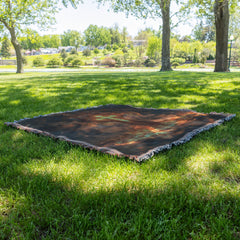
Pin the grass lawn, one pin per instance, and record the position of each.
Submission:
(52, 190)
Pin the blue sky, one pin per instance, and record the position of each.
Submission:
(89, 13)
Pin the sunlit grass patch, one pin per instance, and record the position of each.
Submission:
(52, 190)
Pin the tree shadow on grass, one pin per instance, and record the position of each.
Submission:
(39, 95)
(43, 205)
(71, 91)
(110, 198)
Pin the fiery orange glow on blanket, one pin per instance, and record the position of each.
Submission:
(122, 130)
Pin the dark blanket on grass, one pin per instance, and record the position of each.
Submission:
(136, 133)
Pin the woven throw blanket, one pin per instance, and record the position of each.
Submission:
(136, 133)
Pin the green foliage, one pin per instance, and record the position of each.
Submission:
(109, 47)
(138, 62)
(73, 61)
(54, 62)
(109, 62)
(31, 40)
(115, 47)
(178, 60)
(175, 64)
(17, 14)
(234, 25)
(74, 51)
(5, 49)
(97, 36)
(38, 62)
(126, 59)
(77, 62)
(51, 41)
(71, 38)
(154, 48)
(125, 50)
(115, 35)
(96, 50)
(68, 60)
(105, 51)
(118, 52)
(97, 62)
(140, 51)
(63, 54)
(205, 33)
(124, 35)
(86, 52)
(145, 35)
(192, 50)
(150, 62)
(195, 57)
(24, 60)
(119, 60)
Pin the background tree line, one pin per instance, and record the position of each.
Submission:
(196, 48)
(17, 15)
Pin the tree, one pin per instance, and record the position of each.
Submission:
(51, 41)
(97, 36)
(154, 48)
(31, 41)
(144, 35)
(15, 15)
(205, 32)
(144, 9)
(72, 38)
(115, 35)
(5, 50)
(234, 25)
(124, 35)
(221, 10)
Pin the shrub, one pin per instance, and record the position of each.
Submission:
(115, 46)
(175, 64)
(73, 61)
(54, 62)
(24, 60)
(74, 51)
(96, 50)
(125, 50)
(86, 52)
(68, 60)
(109, 48)
(97, 62)
(126, 59)
(119, 60)
(138, 62)
(178, 60)
(150, 62)
(109, 61)
(63, 54)
(76, 62)
(203, 59)
(131, 46)
(118, 52)
(105, 52)
(38, 62)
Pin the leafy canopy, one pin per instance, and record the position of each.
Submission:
(21, 13)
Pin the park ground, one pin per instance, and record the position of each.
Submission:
(52, 190)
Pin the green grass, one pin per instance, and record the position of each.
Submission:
(52, 190)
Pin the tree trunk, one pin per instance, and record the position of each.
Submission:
(17, 48)
(221, 12)
(165, 8)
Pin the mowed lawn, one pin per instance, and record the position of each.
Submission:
(52, 190)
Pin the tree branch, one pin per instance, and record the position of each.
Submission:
(5, 23)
